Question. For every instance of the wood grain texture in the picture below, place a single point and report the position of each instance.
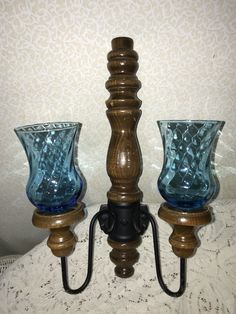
(124, 160)
(184, 238)
(61, 240)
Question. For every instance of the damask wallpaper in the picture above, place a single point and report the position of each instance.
(53, 68)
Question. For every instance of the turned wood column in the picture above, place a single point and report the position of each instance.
(124, 159)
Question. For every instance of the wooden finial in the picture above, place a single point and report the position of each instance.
(61, 239)
(122, 43)
(184, 239)
(124, 256)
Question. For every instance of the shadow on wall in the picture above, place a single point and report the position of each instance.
(6, 249)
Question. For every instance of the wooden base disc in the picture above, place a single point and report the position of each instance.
(184, 239)
(124, 255)
(61, 240)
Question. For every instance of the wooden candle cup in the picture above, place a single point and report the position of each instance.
(61, 240)
(184, 238)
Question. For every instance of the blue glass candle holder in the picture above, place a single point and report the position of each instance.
(54, 185)
(187, 180)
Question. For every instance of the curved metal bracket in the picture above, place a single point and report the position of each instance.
(64, 267)
(182, 286)
(145, 216)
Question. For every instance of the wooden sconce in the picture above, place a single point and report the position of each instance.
(124, 218)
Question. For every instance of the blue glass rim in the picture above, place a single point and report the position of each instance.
(191, 121)
(47, 126)
(221, 124)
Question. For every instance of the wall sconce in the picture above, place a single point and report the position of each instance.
(187, 181)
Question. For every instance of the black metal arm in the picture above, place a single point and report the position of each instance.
(90, 261)
(158, 264)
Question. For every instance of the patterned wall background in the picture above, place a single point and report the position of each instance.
(53, 68)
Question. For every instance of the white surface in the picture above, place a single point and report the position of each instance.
(6, 261)
(33, 283)
(53, 68)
